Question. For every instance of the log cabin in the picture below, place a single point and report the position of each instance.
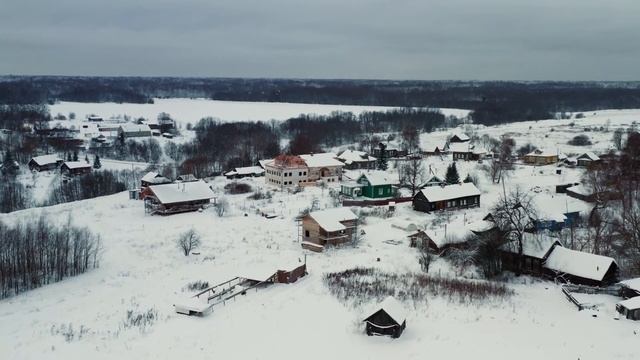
(328, 227)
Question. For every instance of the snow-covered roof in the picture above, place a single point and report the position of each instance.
(351, 156)
(182, 192)
(533, 245)
(461, 136)
(542, 153)
(460, 147)
(481, 226)
(129, 127)
(633, 284)
(378, 177)
(631, 304)
(46, 159)
(448, 192)
(392, 307)
(77, 164)
(153, 177)
(449, 235)
(247, 170)
(321, 160)
(330, 219)
(580, 189)
(578, 263)
(590, 156)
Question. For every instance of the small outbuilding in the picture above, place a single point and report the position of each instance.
(587, 159)
(387, 318)
(242, 172)
(629, 308)
(630, 288)
(153, 178)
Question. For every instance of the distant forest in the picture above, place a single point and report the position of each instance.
(491, 102)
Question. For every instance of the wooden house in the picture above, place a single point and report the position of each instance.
(389, 152)
(419, 239)
(355, 160)
(73, 168)
(587, 159)
(387, 318)
(179, 197)
(328, 227)
(536, 248)
(579, 267)
(153, 178)
(433, 181)
(448, 197)
(45, 163)
(466, 151)
(130, 130)
(630, 288)
(459, 138)
(242, 172)
(541, 157)
(373, 185)
(629, 308)
(437, 149)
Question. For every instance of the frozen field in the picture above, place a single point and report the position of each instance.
(142, 269)
(192, 110)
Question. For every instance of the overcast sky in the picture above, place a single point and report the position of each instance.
(373, 39)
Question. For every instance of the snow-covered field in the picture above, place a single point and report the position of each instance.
(192, 110)
(142, 269)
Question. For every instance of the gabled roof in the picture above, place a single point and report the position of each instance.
(351, 156)
(448, 192)
(542, 153)
(287, 161)
(248, 170)
(589, 156)
(129, 127)
(631, 304)
(450, 235)
(182, 192)
(187, 177)
(459, 137)
(153, 177)
(378, 177)
(392, 307)
(578, 263)
(321, 160)
(533, 245)
(633, 284)
(76, 164)
(330, 219)
(46, 159)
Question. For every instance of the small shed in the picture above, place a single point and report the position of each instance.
(630, 308)
(630, 288)
(387, 318)
(153, 178)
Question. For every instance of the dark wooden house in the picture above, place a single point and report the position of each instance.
(579, 267)
(153, 178)
(388, 319)
(73, 168)
(448, 197)
(45, 163)
(536, 248)
(630, 308)
(179, 197)
(630, 288)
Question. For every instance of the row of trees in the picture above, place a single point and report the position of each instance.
(34, 253)
(94, 184)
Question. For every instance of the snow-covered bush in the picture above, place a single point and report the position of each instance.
(142, 320)
(197, 285)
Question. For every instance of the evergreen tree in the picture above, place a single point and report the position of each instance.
(69, 157)
(382, 158)
(96, 162)
(9, 164)
(86, 159)
(452, 176)
(468, 179)
(75, 155)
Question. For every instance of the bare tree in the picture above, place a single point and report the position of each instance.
(411, 139)
(188, 241)
(222, 206)
(425, 256)
(412, 174)
(514, 213)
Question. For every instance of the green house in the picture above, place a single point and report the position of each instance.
(374, 185)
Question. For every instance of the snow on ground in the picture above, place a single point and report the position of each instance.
(141, 268)
(192, 110)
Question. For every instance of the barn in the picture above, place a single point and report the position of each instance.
(73, 168)
(536, 248)
(387, 318)
(45, 162)
(579, 267)
(175, 198)
(448, 197)
(630, 308)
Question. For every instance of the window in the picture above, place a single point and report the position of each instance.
(300, 173)
(304, 173)
(306, 233)
(380, 191)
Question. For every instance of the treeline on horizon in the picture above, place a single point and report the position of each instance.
(491, 102)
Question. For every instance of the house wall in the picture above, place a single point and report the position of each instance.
(420, 203)
(530, 265)
(540, 160)
(326, 173)
(379, 191)
(313, 233)
(286, 176)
